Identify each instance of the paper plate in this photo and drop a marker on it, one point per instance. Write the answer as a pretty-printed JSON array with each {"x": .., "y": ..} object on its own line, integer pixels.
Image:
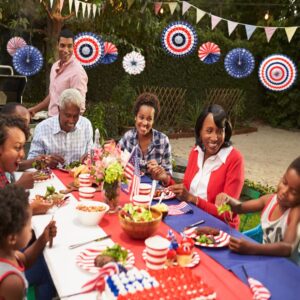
[
  {"x": 86, "y": 258},
  {"x": 195, "y": 259},
  {"x": 171, "y": 195},
  {"x": 222, "y": 239}
]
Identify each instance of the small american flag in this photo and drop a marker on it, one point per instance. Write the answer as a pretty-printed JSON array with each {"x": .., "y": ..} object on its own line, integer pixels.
[
  {"x": 180, "y": 209},
  {"x": 132, "y": 173},
  {"x": 260, "y": 292}
]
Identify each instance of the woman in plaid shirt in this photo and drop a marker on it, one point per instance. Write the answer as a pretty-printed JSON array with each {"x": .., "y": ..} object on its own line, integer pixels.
[{"x": 154, "y": 146}]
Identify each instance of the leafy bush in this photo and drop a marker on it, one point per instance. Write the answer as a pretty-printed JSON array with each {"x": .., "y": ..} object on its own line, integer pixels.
[
  {"x": 263, "y": 189},
  {"x": 95, "y": 113}
]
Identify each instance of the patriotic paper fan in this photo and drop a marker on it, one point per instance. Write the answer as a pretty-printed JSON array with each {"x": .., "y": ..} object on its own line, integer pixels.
[
  {"x": 239, "y": 63},
  {"x": 277, "y": 72},
  {"x": 134, "y": 63},
  {"x": 88, "y": 49},
  {"x": 110, "y": 53},
  {"x": 209, "y": 53},
  {"x": 179, "y": 39},
  {"x": 28, "y": 60},
  {"x": 14, "y": 44}
]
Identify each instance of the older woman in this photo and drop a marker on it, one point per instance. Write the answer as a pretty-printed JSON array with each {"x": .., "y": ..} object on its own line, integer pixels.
[
  {"x": 214, "y": 166},
  {"x": 154, "y": 147}
]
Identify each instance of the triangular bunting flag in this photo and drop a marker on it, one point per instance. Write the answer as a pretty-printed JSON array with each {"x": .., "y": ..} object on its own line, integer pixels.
[
  {"x": 94, "y": 10},
  {"x": 215, "y": 20},
  {"x": 70, "y": 5},
  {"x": 61, "y": 4},
  {"x": 185, "y": 7},
  {"x": 231, "y": 26},
  {"x": 88, "y": 5},
  {"x": 172, "y": 6},
  {"x": 83, "y": 7},
  {"x": 269, "y": 32},
  {"x": 129, "y": 3},
  {"x": 157, "y": 6},
  {"x": 249, "y": 30},
  {"x": 200, "y": 15},
  {"x": 290, "y": 31},
  {"x": 51, "y": 3},
  {"x": 77, "y": 3},
  {"x": 99, "y": 9}
]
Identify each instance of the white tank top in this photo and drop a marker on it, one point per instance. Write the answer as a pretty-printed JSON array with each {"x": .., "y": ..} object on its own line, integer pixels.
[{"x": 273, "y": 231}]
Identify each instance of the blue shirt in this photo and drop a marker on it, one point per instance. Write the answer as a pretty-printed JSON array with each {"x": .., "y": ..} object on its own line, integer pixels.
[
  {"x": 159, "y": 149},
  {"x": 49, "y": 138}
]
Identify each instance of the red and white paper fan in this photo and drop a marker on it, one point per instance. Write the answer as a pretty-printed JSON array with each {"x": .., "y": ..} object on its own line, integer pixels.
[
  {"x": 14, "y": 44},
  {"x": 277, "y": 72},
  {"x": 209, "y": 53}
]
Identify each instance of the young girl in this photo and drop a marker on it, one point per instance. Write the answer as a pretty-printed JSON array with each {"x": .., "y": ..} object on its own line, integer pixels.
[
  {"x": 280, "y": 217},
  {"x": 15, "y": 233}
]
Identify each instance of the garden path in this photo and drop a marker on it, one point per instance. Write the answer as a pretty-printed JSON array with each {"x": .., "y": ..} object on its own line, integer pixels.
[{"x": 267, "y": 152}]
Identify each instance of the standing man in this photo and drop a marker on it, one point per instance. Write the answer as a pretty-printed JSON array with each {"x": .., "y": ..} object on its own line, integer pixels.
[
  {"x": 66, "y": 73},
  {"x": 66, "y": 137}
]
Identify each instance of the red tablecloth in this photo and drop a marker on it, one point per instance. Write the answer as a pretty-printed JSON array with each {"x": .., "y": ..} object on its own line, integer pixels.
[{"x": 225, "y": 283}]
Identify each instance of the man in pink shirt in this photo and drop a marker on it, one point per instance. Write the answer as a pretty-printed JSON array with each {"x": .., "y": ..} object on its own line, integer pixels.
[{"x": 66, "y": 73}]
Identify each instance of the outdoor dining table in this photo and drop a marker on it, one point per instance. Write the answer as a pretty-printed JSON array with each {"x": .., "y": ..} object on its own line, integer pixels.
[{"x": 214, "y": 266}]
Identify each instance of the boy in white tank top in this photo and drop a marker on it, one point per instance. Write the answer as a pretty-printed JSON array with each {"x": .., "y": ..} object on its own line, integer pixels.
[{"x": 279, "y": 220}]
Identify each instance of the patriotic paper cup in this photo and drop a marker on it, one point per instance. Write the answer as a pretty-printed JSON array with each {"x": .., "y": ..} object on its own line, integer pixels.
[
  {"x": 141, "y": 200},
  {"x": 86, "y": 193},
  {"x": 145, "y": 189},
  {"x": 156, "y": 248},
  {"x": 85, "y": 180}
]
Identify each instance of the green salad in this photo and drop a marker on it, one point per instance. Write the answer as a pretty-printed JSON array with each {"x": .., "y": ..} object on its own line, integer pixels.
[
  {"x": 223, "y": 208},
  {"x": 116, "y": 252},
  {"x": 136, "y": 213},
  {"x": 205, "y": 239}
]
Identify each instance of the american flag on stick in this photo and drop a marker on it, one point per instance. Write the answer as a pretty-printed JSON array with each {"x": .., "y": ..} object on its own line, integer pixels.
[{"x": 132, "y": 173}]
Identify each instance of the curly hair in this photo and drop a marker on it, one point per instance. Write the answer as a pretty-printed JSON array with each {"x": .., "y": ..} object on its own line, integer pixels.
[
  {"x": 295, "y": 165},
  {"x": 13, "y": 210},
  {"x": 11, "y": 122},
  {"x": 148, "y": 99},
  {"x": 221, "y": 120}
]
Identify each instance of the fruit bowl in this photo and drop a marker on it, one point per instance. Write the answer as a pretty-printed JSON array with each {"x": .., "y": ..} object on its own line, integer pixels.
[{"x": 142, "y": 229}]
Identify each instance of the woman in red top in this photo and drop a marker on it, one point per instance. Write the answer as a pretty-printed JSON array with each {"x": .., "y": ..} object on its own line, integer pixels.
[{"x": 214, "y": 166}]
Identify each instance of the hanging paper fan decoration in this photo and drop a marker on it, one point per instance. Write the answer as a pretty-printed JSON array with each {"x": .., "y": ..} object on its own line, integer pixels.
[
  {"x": 239, "y": 63},
  {"x": 110, "y": 53},
  {"x": 179, "y": 39},
  {"x": 134, "y": 63},
  {"x": 28, "y": 60},
  {"x": 14, "y": 44},
  {"x": 209, "y": 53},
  {"x": 88, "y": 49},
  {"x": 277, "y": 72}
]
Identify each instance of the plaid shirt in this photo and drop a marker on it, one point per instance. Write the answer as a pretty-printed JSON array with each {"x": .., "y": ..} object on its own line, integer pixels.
[
  {"x": 49, "y": 138},
  {"x": 3, "y": 179},
  {"x": 159, "y": 149}
]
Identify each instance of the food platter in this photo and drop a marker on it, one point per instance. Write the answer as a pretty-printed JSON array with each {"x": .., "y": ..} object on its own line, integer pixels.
[
  {"x": 85, "y": 259},
  {"x": 220, "y": 240}
]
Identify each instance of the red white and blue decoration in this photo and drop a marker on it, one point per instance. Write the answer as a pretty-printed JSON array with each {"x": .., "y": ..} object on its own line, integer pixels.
[
  {"x": 134, "y": 63},
  {"x": 179, "y": 39},
  {"x": 277, "y": 72},
  {"x": 209, "y": 53},
  {"x": 14, "y": 44},
  {"x": 28, "y": 60},
  {"x": 239, "y": 63},
  {"x": 110, "y": 53},
  {"x": 88, "y": 49}
]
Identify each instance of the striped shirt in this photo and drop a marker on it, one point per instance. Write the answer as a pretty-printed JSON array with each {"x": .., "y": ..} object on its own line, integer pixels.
[
  {"x": 49, "y": 138},
  {"x": 159, "y": 149}
]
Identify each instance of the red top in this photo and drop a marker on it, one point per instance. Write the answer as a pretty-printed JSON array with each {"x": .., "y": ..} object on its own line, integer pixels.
[{"x": 228, "y": 178}]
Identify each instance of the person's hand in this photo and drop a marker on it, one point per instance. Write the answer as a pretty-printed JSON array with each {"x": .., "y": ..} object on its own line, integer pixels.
[
  {"x": 157, "y": 172},
  {"x": 182, "y": 193},
  {"x": 241, "y": 246},
  {"x": 223, "y": 198},
  {"x": 53, "y": 160},
  {"x": 26, "y": 180},
  {"x": 32, "y": 112},
  {"x": 40, "y": 208},
  {"x": 50, "y": 232}
]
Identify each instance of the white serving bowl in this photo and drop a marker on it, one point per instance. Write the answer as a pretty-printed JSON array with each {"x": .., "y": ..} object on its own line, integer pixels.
[{"x": 94, "y": 216}]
